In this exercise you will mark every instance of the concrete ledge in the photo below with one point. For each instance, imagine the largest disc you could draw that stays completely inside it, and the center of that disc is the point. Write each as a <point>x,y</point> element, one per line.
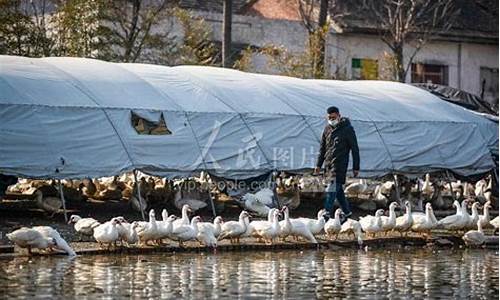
<point>443,241</point>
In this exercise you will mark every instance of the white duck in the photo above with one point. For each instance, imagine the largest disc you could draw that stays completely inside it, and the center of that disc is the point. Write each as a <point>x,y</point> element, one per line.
<point>372,224</point>
<point>184,220</point>
<point>83,225</point>
<point>356,188</point>
<point>107,233</point>
<point>270,232</point>
<point>185,233</point>
<point>315,225</point>
<point>29,238</point>
<point>49,232</point>
<point>389,222</point>
<point>475,237</point>
<point>234,229</point>
<point>485,217</point>
<point>209,232</point>
<point>424,223</point>
<point>285,224</point>
<point>404,223</point>
<point>454,222</point>
<point>352,227</point>
<point>333,226</point>
<point>148,231</point>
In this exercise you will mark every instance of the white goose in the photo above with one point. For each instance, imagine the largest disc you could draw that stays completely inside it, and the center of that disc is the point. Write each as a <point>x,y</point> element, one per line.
<point>404,223</point>
<point>165,228</point>
<point>352,227</point>
<point>252,226</point>
<point>494,223</point>
<point>131,236</point>
<point>314,225</point>
<point>234,229</point>
<point>372,224</point>
<point>271,231</point>
<point>83,225</point>
<point>427,189</point>
<point>299,229</point>
<point>209,232</point>
<point>485,217</point>
<point>389,222</point>
<point>184,220</point>
<point>424,223</point>
<point>185,233</point>
<point>475,237</point>
<point>466,216</point>
<point>356,188</point>
<point>259,202</point>
<point>333,226</point>
<point>148,231</point>
<point>285,224</point>
<point>29,238</point>
<point>454,222</point>
<point>107,233</point>
<point>49,232</point>
<point>215,227</point>
<point>474,217</point>
<point>49,204</point>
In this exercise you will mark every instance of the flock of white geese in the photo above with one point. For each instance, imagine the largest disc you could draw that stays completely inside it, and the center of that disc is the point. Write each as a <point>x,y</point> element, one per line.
<point>182,229</point>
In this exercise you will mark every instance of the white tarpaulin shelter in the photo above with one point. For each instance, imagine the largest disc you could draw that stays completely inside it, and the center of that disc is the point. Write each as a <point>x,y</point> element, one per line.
<point>72,117</point>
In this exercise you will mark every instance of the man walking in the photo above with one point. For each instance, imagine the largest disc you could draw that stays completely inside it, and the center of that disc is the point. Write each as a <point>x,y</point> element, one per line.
<point>338,139</point>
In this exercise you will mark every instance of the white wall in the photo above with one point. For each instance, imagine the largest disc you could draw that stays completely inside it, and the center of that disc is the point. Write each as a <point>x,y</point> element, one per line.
<point>341,48</point>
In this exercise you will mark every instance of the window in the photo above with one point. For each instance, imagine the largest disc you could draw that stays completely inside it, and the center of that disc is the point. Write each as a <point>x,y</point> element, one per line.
<point>145,126</point>
<point>427,73</point>
<point>364,69</point>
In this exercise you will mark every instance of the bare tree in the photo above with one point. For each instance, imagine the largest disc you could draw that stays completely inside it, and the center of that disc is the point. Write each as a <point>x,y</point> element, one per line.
<point>409,22</point>
<point>128,25</point>
<point>226,30</point>
<point>314,14</point>
<point>23,28</point>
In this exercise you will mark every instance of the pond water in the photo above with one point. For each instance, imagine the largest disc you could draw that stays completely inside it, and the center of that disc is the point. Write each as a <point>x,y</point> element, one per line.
<point>390,274</point>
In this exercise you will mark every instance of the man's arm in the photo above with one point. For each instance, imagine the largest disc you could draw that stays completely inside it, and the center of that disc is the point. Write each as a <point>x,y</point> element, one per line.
<point>322,151</point>
<point>353,143</point>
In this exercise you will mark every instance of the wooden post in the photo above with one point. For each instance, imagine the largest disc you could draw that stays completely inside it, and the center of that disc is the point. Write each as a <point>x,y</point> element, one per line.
<point>419,193</point>
<point>61,193</point>
<point>212,204</point>
<point>139,195</point>
<point>448,177</point>
<point>273,188</point>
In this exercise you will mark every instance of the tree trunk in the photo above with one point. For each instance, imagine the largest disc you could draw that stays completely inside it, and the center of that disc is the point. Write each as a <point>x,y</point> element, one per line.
<point>226,31</point>
<point>319,67</point>
<point>400,67</point>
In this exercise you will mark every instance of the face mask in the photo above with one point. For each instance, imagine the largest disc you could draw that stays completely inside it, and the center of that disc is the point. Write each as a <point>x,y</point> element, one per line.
<point>333,122</point>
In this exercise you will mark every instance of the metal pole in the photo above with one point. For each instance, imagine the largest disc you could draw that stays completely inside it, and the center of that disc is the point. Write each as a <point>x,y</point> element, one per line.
<point>139,195</point>
<point>61,193</point>
<point>398,196</point>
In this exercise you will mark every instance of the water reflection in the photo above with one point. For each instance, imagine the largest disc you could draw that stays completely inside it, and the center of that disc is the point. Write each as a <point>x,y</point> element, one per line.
<point>275,275</point>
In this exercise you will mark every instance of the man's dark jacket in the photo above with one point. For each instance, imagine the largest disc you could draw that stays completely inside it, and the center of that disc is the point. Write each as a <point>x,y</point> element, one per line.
<point>336,143</point>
